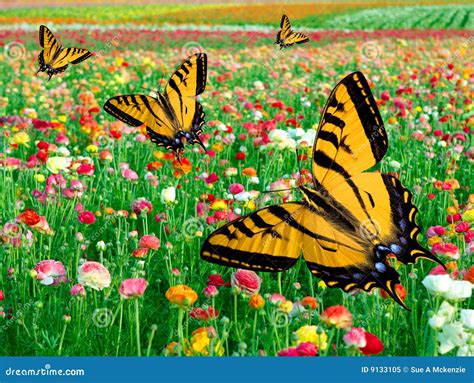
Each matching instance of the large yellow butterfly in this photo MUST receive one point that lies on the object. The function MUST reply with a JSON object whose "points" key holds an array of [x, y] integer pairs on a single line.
{"points": [[173, 117], [53, 58], [286, 37], [350, 223]]}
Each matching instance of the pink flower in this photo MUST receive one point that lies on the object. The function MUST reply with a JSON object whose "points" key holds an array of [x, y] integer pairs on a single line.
{"points": [[211, 179], [306, 349], [78, 289], [86, 169], [438, 270], [246, 281], [446, 249], [236, 188], [133, 287], [288, 352], [42, 226], [149, 242], [142, 205], [373, 345], [86, 217], [277, 299], [355, 337], [129, 174], [210, 291], [462, 227], [50, 272], [94, 275], [435, 231]]}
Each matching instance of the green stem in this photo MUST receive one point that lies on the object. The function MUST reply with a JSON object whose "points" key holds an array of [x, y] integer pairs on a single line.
{"points": [[62, 339], [137, 327], [153, 330]]}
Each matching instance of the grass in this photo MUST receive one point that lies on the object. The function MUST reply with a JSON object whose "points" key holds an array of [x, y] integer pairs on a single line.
{"points": [[103, 324]]}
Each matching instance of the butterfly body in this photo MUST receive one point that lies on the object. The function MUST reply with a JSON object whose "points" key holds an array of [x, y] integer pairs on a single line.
{"points": [[54, 59], [349, 224], [286, 37], [173, 117]]}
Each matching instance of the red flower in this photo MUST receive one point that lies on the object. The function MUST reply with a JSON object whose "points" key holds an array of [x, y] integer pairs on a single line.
{"points": [[462, 227], [288, 352], [140, 253], [29, 217], [306, 349], [87, 169], [453, 218], [373, 347], [86, 217], [204, 315], [149, 242], [211, 178], [215, 280], [240, 156], [42, 145], [2, 295], [469, 276]]}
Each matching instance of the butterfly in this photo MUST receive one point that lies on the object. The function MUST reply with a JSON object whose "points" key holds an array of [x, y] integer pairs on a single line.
{"points": [[173, 117], [350, 223], [54, 59], [286, 37]]}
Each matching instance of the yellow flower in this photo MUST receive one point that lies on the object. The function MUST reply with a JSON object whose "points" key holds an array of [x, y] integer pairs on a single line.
{"points": [[200, 343], [468, 216], [20, 138], [286, 307], [218, 147], [433, 240], [56, 164], [92, 149], [158, 155], [310, 334], [219, 204], [322, 285], [39, 178], [181, 295], [62, 118]]}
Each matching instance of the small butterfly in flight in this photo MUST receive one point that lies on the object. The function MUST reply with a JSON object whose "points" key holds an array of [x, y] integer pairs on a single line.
{"points": [[286, 37]]}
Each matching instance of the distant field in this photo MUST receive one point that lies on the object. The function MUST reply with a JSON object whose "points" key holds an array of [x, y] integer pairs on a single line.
{"points": [[341, 15]]}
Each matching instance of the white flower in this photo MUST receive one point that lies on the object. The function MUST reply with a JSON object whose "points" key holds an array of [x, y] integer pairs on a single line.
{"points": [[467, 350], [278, 135], [437, 321], [459, 290], [242, 196], [254, 180], [100, 246], [444, 315], [257, 115], [296, 132], [63, 151], [395, 165], [258, 85], [437, 284], [168, 195], [297, 310], [467, 319], [451, 336]]}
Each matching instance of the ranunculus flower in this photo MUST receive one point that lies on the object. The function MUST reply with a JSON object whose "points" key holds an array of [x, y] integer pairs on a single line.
{"points": [[86, 217], [149, 242], [50, 272], [467, 318], [142, 205], [437, 284], [256, 302], [210, 291], [310, 334], [246, 281], [306, 349], [288, 352], [400, 291], [78, 289], [309, 303], [29, 217], [434, 231], [373, 345], [236, 188], [355, 337], [133, 287], [204, 314], [446, 249], [337, 316], [56, 164], [94, 275], [168, 195], [451, 336], [43, 227], [215, 280], [444, 315], [458, 290], [181, 295], [201, 340], [140, 253]]}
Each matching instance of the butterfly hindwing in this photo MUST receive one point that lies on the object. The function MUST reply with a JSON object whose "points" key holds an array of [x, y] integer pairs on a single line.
{"points": [[265, 240], [351, 137]]}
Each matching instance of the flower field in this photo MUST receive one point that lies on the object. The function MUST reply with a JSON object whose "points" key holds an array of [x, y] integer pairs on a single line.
{"points": [[101, 231]]}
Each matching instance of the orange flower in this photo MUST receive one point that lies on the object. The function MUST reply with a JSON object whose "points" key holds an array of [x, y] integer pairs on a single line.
{"points": [[400, 291], [256, 302], [337, 316], [469, 276], [181, 295], [174, 348], [109, 211], [182, 168], [309, 303], [249, 172]]}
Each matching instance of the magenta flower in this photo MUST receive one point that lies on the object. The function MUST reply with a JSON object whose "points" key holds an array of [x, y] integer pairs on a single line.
{"points": [[142, 205], [246, 281], [355, 337], [50, 272], [210, 291], [86, 217], [133, 287], [236, 188], [78, 289]]}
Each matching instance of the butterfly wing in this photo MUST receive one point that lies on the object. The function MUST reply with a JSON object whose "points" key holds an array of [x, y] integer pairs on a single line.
{"points": [[265, 240], [70, 56], [351, 137], [49, 44]]}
